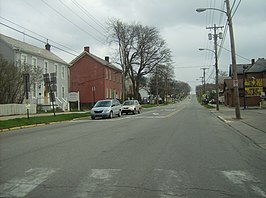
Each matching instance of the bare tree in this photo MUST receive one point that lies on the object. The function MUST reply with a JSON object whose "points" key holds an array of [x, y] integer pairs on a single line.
{"points": [[160, 81], [141, 49], [12, 82]]}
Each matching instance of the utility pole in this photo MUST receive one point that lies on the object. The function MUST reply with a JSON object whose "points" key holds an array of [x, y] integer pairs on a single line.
{"points": [[233, 54], [215, 37], [204, 79]]}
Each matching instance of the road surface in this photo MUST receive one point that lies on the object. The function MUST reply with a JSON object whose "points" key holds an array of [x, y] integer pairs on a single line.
{"points": [[179, 150]]}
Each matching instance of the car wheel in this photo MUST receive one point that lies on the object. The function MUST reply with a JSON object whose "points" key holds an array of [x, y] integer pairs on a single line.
{"points": [[111, 115], [119, 114], [92, 117]]}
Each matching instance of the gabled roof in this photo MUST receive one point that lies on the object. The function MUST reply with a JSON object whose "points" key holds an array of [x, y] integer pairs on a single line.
{"points": [[258, 67], [239, 68], [31, 49], [101, 61]]}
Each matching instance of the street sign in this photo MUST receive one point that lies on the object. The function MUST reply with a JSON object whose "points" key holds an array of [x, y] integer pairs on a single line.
{"points": [[73, 96], [53, 78], [27, 106], [235, 83], [253, 91], [253, 83], [46, 78]]}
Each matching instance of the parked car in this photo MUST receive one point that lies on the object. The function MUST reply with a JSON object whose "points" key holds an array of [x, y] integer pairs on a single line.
{"points": [[106, 109], [131, 106]]}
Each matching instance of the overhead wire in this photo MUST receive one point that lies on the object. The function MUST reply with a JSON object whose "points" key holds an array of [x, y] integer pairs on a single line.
{"points": [[75, 13], [86, 12], [210, 72], [77, 26], [37, 39], [66, 47]]}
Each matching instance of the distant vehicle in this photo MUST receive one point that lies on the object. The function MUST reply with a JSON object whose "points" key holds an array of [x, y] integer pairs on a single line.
{"points": [[106, 109], [131, 106]]}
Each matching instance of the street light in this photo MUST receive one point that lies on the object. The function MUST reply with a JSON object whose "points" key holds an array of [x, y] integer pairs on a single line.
{"points": [[216, 74], [233, 53]]}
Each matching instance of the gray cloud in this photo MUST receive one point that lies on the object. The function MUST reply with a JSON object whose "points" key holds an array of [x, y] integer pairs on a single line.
{"points": [[180, 25]]}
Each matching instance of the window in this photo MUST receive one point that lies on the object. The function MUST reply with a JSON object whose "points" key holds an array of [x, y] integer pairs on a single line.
{"points": [[23, 59], [110, 75], [46, 67], [63, 72], [34, 62], [106, 92], [106, 74], [56, 68], [63, 92], [34, 90]]}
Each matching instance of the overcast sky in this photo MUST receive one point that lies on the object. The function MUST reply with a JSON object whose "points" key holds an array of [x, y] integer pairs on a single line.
{"points": [[78, 23]]}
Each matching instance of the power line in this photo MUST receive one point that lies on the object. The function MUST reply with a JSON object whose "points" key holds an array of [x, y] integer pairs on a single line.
{"points": [[95, 20], [81, 18], [39, 35], [71, 22], [36, 38]]}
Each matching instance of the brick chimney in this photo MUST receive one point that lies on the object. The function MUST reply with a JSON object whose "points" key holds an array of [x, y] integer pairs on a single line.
{"points": [[253, 61], [107, 59], [87, 49], [48, 46]]}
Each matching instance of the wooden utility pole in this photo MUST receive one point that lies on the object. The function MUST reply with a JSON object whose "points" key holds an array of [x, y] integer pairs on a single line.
{"points": [[204, 79], [233, 54]]}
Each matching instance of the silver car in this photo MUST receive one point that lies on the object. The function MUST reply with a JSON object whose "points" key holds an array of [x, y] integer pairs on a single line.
{"points": [[131, 106], [106, 109]]}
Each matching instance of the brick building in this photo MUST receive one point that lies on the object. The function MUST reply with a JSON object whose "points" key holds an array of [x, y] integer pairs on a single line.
{"points": [[251, 84], [94, 78]]}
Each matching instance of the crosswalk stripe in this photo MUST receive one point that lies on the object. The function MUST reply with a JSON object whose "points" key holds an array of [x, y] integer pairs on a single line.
{"points": [[243, 178], [20, 187], [99, 183], [103, 183], [170, 182]]}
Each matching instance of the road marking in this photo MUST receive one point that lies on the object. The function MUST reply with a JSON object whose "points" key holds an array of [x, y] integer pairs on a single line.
{"points": [[171, 183], [244, 179], [20, 187], [98, 183]]}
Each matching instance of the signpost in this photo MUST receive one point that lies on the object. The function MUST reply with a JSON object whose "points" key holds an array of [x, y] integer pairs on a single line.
{"points": [[74, 97], [50, 81], [27, 90]]}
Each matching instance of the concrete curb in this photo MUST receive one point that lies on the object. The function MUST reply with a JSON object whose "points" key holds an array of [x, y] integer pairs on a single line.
{"points": [[242, 133]]}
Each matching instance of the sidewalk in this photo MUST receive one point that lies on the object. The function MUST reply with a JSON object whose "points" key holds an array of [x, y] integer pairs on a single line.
{"points": [[252, 123]]}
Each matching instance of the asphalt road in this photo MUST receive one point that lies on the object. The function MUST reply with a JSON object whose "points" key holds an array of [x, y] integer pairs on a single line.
{"points": [[179, 150]]}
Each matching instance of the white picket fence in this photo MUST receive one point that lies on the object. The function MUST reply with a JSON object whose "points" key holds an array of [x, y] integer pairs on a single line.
{"points": [[16, 109]]}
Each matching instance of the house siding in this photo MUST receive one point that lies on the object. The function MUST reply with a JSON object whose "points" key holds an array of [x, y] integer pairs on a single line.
{"points": [[15, 49]]}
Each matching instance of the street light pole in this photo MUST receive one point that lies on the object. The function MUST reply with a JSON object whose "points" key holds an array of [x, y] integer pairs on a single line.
{"points": [[233, 54], [216, 67]]}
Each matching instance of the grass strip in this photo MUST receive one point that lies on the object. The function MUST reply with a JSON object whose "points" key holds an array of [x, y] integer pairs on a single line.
{"points": [[18, 122]]}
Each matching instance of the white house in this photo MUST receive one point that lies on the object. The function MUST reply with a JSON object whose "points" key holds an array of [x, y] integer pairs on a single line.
{"points": [[18, 52]]}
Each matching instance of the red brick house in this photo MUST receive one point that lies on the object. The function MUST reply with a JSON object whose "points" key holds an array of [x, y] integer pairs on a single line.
{"points": [[251, 84], [94, 78]]}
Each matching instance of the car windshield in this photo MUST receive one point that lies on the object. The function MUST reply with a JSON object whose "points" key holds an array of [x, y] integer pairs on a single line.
{"points": [[129, 102], [103, 104]]}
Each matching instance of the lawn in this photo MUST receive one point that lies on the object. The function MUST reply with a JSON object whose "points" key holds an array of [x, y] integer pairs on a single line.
{"points": [[18, 122]]}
